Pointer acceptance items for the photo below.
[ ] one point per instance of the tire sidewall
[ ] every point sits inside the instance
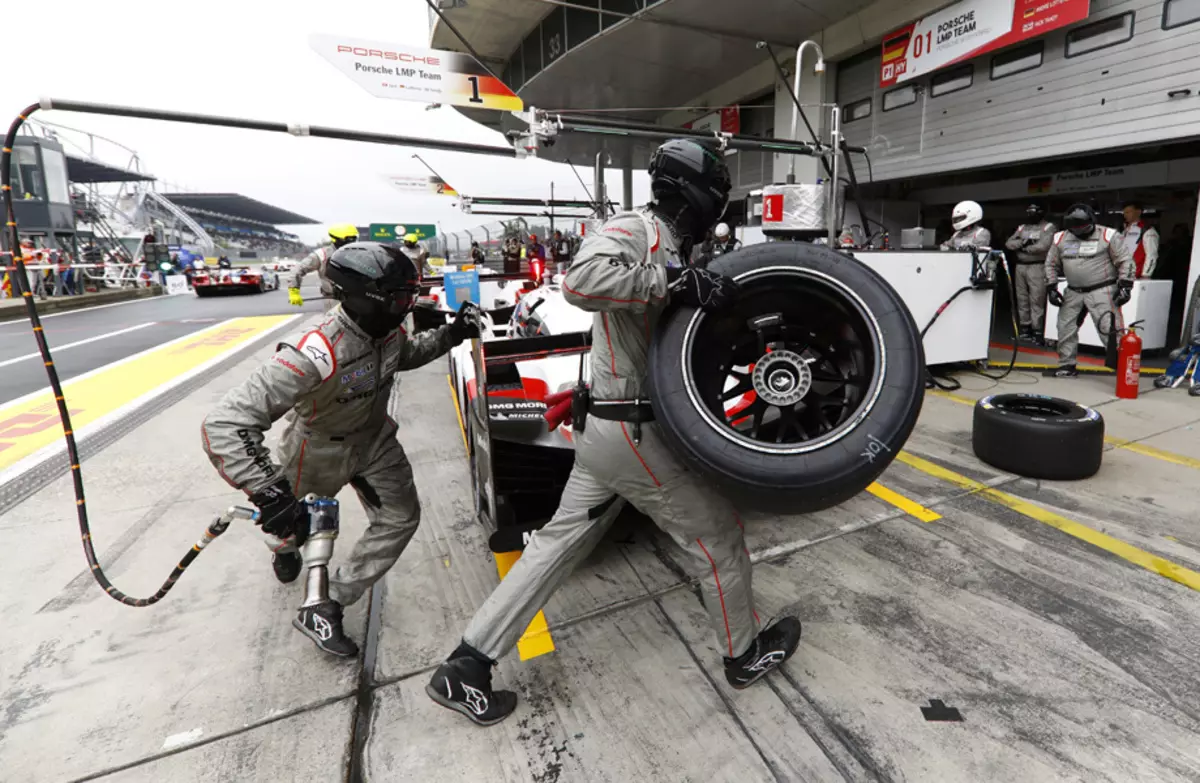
(839, 469)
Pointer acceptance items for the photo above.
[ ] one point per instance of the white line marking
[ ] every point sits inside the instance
(87, 430)
(58, 348)
(175, 740)
(24, 319)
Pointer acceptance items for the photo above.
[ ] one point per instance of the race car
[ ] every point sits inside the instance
(215, 282)
(519, 465)
(498, 294)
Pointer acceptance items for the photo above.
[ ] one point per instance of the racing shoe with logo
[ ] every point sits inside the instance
(464, 684)
(323, 624)
(771, 647)
(287, 566)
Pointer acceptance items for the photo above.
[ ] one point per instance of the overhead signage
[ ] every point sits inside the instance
(726, 120)
(434, 185)
(968, 29)
(411, 73)
(391, 232)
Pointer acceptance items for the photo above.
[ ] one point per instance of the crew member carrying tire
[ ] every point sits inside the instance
(316, 261)
(1031, 242)
(626, 273)
(334, 383)
(1099, 271)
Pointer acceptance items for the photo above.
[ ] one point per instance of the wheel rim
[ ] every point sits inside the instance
(796, 366)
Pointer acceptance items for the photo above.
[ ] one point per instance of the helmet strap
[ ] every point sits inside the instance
(678, 214)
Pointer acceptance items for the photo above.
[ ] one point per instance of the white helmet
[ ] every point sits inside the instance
(722, 231)
(966, 214)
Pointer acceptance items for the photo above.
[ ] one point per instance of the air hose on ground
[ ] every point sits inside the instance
(20, 283)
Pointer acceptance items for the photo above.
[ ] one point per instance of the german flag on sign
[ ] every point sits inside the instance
(895, 47)
(1030, 13)
(1039, 185)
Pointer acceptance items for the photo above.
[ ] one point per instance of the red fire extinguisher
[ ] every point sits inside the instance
(1129, 363)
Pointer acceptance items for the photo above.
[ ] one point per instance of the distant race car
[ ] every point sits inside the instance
(279, 266)
(498, 295)
(216, 281)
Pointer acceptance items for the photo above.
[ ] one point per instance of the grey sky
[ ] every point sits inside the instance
(251, 58)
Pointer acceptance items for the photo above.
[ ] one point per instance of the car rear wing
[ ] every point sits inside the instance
(496, 360)
(428, 283)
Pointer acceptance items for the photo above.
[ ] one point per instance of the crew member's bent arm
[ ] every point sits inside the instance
(1150, 246)
(233, 432)
(610, 272)
(1053, 262)
(1014, 242)
(311, 263)
(1121, 257)
(423, 348)
(1042, 245)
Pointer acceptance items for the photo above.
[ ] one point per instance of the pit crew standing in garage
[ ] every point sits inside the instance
(1031, 242)
(339, 235)
(1140, 240)
(1099, 269)
(334, 382)
(967, 231)
(626, 273)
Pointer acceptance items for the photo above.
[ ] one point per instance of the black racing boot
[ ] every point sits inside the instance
(771, 647)
(1065, 371)
(464, 684)
(1194, 390)
(323, 624)
(1025, 335)
(287, 566)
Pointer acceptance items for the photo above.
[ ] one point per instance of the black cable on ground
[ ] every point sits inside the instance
(20, 282)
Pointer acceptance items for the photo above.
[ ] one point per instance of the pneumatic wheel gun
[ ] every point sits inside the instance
(317, 549)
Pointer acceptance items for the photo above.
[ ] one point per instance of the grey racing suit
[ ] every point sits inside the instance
(620, 275)
(1092, 267)
(1031, 242)
(420, 258)
(314, 262)
(333, 383)
(975, 236)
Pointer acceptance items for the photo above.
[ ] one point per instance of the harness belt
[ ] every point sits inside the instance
(1087, 289)
(633, 411)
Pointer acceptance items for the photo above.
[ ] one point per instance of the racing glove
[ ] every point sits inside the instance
(280, 513)
(1124, 292)
(468, 323)
(294, 297)
(696, 287)
(1055, 297)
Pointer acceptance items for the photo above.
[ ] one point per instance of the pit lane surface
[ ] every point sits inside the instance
(1065, 661)
(123, 330)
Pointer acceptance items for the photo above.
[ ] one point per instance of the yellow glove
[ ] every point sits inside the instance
(294, 297)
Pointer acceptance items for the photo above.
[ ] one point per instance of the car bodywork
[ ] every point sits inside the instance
(213, 282)
(499, 294)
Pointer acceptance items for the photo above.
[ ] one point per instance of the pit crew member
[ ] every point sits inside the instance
(1030, 242)
(339, 235)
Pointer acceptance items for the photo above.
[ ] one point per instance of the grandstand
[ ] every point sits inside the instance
(243, 226)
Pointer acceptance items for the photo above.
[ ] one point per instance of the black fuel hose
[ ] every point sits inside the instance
(219, 526)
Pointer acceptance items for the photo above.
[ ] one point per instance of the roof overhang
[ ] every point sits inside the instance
(89, 172)
(235, 205)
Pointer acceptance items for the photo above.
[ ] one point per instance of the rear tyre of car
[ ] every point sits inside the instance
(1038, 437)
(202, 292)
(804, 393)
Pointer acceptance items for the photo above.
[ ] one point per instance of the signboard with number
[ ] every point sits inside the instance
(411, 73)
(434, 185)
(968, 29)
(393, 232)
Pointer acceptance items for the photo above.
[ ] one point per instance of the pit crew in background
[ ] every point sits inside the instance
(626, 273)
(418, 254)
(968, 233)
(561, 251)
(1140, 239)
(1099, 271)
(512, 256)
(334, 384)
(724, 241)
(1030, 243)
(477, 256)
(339, 235)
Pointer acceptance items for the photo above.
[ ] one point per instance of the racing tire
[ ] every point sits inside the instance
(1039, 437)
(203, 293)
(829, 358)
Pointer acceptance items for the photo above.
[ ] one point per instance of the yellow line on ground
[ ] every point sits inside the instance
(1092, 368)
(1138, 557)
(910, 507)
(458, 412)
(536, 640)
(951, 396)
(1150, 451)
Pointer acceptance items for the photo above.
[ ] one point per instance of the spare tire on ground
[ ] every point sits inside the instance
(1038, 436)
(802, 395)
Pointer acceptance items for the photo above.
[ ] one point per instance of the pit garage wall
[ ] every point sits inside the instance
(1115, 96)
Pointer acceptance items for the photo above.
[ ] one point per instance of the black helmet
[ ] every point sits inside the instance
(1080, 220)
(696, 172)
(1035, 213)
(377, 284)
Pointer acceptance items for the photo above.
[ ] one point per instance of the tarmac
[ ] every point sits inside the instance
(1058, 620)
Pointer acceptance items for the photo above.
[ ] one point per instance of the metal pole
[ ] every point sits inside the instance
(818, 68)
(836, 138)
(627, 188)
(601, 195)
(433, 4)
(551, 211)
(431, 171)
